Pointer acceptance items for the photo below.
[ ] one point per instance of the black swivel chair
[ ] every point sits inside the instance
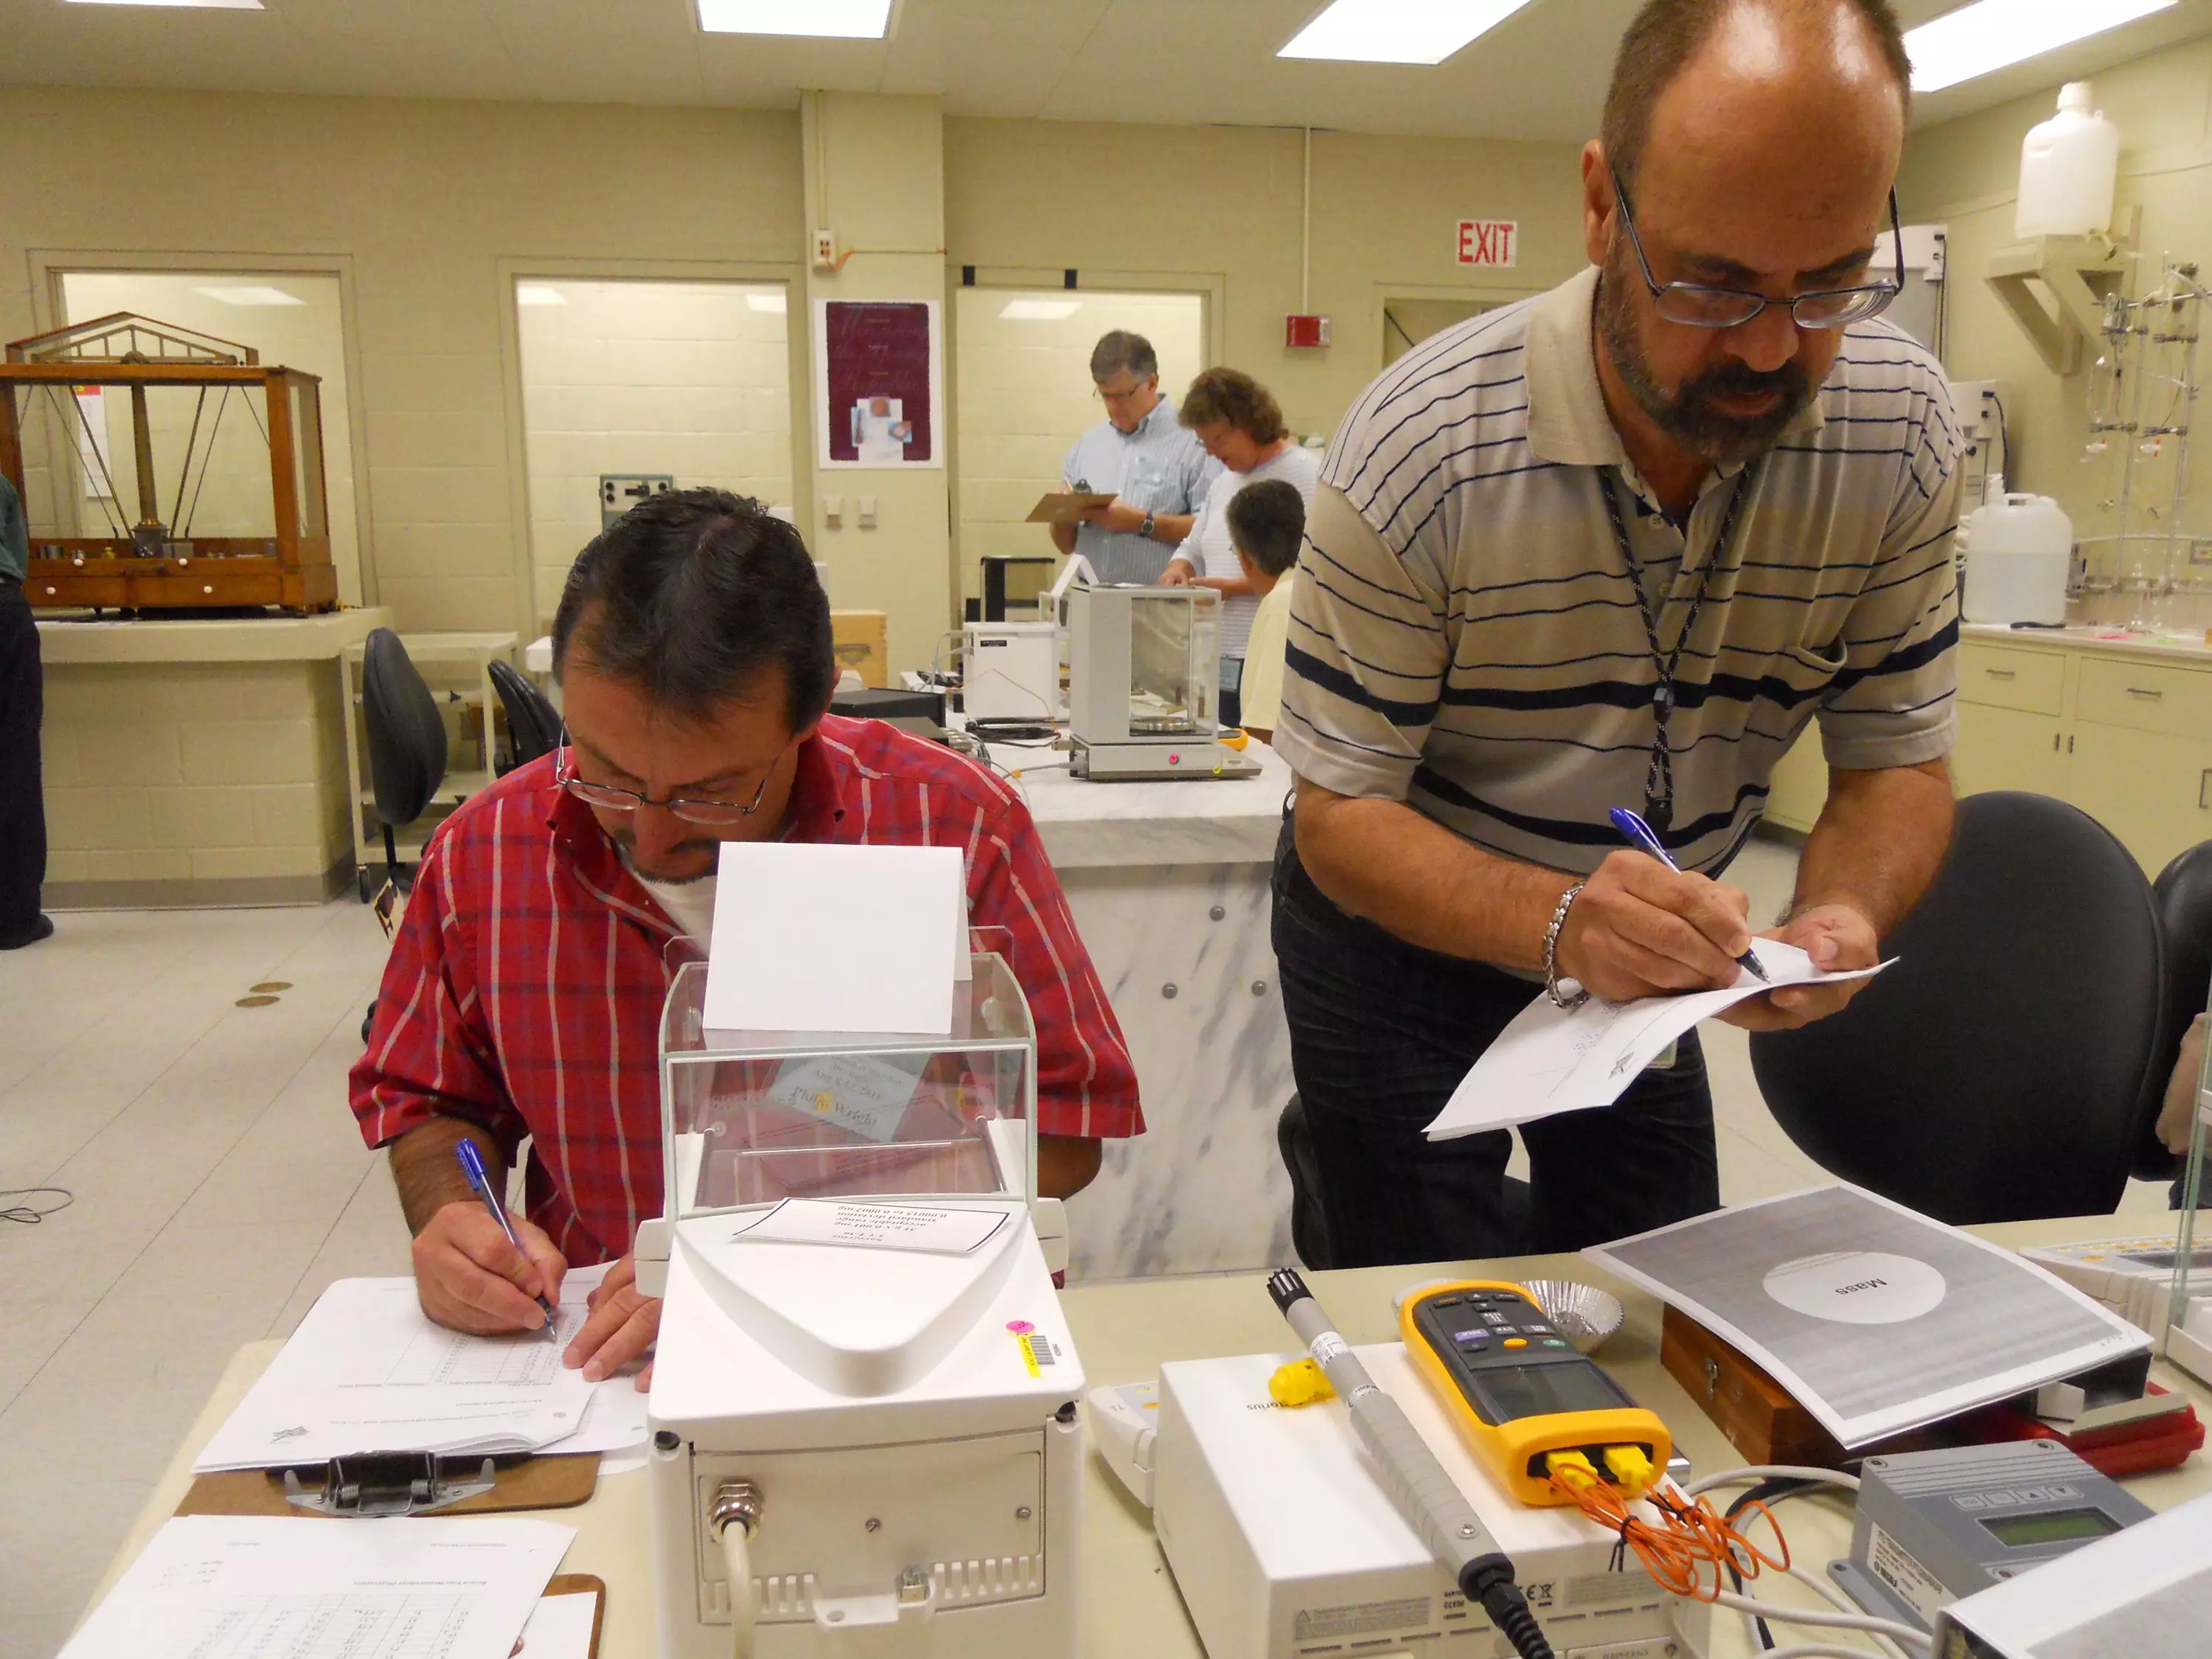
(533, 725)
(2009, 1066)
(2183, 891)
(406, 741)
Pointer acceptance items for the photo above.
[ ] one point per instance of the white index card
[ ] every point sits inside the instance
(813, 938)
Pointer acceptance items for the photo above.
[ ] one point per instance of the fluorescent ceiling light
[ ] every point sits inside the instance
(251, 295)
(1397, 31)
(769, 300)
(1991, 34)
(538, 293)
(841, 20)
(209, 5)
(1040, 311)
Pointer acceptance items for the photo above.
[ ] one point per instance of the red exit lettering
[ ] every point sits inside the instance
(1488, 242)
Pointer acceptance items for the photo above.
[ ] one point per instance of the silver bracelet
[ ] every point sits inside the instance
(1559, 998)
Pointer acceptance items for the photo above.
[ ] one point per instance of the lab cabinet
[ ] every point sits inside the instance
(2122, 730)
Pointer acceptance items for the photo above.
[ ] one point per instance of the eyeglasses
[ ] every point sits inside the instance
(616, 798)
(1698, 306)
(1135, 391)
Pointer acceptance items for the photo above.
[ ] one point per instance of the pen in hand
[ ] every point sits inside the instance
(1632, 825)
(473, 1166)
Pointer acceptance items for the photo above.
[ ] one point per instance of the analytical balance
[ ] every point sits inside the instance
(1144, 677)
(865, 1432)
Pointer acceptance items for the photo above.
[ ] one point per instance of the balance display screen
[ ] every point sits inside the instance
(2053, 1526)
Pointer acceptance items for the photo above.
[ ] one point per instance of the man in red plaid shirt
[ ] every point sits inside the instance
(548, 915)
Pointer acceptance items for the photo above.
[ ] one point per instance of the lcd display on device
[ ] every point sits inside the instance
(1545, 1391)
(2053, 1526)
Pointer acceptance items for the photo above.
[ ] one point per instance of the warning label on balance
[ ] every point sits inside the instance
(1363, 1619)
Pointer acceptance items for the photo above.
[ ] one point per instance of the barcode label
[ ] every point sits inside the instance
(1040, 1349)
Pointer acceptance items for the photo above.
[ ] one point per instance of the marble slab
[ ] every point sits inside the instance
(1183, 951)
(1089, 826)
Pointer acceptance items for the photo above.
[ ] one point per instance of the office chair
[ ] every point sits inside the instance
(406, 741)
(533, 725)
(2183, 892)
(2010, 1066)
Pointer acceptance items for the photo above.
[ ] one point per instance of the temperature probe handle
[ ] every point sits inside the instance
(1427, 1497)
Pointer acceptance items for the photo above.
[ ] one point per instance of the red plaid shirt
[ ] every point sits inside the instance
(525, 987)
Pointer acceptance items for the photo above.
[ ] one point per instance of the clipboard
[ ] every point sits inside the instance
(579, 1583)
(521, 1483)
(1065, 507)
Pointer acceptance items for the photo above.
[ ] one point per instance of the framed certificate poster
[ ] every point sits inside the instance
(879, 384)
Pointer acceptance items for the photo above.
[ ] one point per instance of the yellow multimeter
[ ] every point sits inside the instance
(1518, 1391)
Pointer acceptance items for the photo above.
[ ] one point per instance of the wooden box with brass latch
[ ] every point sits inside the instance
(1761, 1419)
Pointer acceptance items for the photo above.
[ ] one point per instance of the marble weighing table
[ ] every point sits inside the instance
(1169, 886)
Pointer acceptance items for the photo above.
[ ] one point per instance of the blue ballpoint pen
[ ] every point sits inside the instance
(1631, 825)
(473, 1166)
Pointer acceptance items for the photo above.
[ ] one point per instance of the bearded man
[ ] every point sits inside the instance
(1615, 546)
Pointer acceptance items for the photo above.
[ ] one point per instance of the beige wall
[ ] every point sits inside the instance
(429, 210)
(1966, 174)
(1023, 391)
(419, 201)
(692, 379)
(1184, 207)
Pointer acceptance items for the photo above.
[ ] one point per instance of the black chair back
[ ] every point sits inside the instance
(533, 725)
(2184, 889)
(2009, 1066)
(406, 733)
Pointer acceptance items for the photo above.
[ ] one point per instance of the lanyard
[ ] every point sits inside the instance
(1659, 779)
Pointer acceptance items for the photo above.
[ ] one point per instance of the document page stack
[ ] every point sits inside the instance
(368, 1371)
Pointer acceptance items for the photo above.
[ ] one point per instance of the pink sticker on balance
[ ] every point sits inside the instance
(1020, 1326)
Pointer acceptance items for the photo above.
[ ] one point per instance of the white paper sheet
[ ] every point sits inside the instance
(811, 938)
(560, 1627)
(1875, 1318)
(614, 1421)
(875, 1226)
(367, 1371)
(249, 1587)
(1551, 1059)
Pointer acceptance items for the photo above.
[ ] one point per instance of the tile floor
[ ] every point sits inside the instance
(220, 1186)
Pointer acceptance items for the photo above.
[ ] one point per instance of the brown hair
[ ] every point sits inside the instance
(1236, 399)
(1667, 33)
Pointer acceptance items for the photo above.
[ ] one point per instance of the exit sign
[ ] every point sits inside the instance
(1488, 242)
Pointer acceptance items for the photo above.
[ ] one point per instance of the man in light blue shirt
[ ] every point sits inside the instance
(1156, 471)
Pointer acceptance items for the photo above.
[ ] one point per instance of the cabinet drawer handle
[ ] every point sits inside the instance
(2148, 693)
(2001, 673)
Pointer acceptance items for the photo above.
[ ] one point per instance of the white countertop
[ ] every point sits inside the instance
(1088, 825)
(182, 638)
(2091, 636)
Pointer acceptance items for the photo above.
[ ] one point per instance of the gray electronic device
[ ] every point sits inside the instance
(1933, 1527)
(621, 491)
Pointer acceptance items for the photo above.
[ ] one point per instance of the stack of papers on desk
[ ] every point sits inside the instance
(1552, 1059)
(368, 1371)
(235, 1587)
(1875, 1318)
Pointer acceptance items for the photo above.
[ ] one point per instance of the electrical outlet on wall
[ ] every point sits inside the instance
(825, 249)
(2200, 552)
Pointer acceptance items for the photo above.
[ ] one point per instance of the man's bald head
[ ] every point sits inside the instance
(1849, 49)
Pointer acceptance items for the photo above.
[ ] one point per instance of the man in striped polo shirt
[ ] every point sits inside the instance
(1614, 546)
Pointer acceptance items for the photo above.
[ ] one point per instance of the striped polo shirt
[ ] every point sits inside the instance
(1464, 635)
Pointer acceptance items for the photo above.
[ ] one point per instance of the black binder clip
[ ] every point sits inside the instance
(390, 1483)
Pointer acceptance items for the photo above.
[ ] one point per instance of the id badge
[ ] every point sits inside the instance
(1664, 1060)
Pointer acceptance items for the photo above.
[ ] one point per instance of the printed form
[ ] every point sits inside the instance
(239, 1586)
(368, 1371)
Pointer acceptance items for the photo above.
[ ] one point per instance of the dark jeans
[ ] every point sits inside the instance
(22, 800)
(1382, 1032)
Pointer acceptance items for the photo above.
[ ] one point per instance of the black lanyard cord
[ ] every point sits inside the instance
(1659, 778)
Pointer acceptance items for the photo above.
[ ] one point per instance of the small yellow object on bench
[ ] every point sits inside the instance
(1299, 1383)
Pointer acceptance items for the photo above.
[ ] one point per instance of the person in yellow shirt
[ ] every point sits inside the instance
(1266, 522)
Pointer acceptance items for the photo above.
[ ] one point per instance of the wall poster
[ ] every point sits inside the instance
(878, 383)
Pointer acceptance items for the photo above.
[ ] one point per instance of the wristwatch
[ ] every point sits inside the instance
(1145, 528)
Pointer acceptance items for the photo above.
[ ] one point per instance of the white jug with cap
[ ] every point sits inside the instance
(2069, 165)
(2018, 550)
